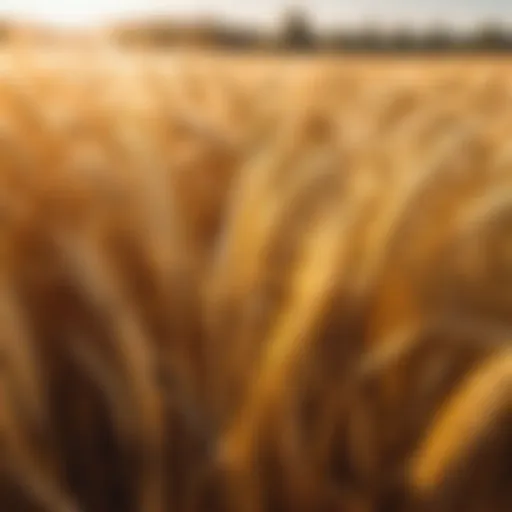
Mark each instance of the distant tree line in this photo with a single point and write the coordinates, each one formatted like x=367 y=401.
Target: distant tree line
x=297 y=35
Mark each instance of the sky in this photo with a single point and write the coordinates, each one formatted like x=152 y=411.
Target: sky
x=323 y=12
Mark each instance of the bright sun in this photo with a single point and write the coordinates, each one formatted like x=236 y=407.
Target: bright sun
x=77 y=12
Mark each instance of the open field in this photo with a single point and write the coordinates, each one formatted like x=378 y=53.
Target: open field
x=250 y=284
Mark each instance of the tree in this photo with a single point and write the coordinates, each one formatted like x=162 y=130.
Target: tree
x=438 y=38
x=491 y=36
x=296 y=31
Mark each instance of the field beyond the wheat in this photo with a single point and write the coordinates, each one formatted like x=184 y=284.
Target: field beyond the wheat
x=238 y=283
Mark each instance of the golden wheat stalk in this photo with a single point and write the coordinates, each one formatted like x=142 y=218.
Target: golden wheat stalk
x=239 y=284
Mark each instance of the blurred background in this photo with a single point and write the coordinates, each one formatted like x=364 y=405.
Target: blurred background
x=307 y=25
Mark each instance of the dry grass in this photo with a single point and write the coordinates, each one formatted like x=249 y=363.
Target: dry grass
x=254 y=285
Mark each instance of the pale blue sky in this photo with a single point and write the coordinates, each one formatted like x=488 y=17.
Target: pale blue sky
x=325 y=12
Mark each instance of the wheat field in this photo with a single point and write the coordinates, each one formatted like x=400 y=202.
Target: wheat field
x=250 y=284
